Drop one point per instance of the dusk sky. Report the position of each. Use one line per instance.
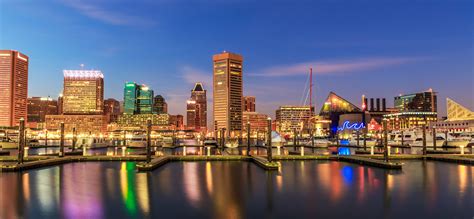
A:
(380, 48)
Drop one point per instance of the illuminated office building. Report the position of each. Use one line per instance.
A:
(13, 87)
(196, 109)
(160, 106)
(130, 98)
(227, 92)
(138, 99)
(249, 104)
(139, 121)
(258, 122)
(291, 118)
(83, 92)
(39, 107)
(414, 111)
(111, 109)
(145, 100)
(176, 122)
(418, 102)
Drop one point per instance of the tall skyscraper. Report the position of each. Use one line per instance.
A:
(418, 102)
(228, 92)
(82, 103)
(145, 100)
(130, 98)
(160, 106)
(138, 99)
(83, 92)
(249, 104)
(13, 87)
(197, 109)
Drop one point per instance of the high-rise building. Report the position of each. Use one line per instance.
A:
(83, 92)
(39, 107)
(227, 92)
(414, 110)
(249, 104)
(417, 102)
(138, 99)
(13, 87)
(197, 109)
(145, 100)
(291, 118)
(160, 106)
(60, 104)
(130, 94)
(112, 109)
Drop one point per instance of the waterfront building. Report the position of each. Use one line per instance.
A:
(460, 119)
(417, 102)
(227, 93)
(160, 106)
(111, 109)
(139, 121)
(138, 99)
(196, 109)
(258, 121)
(13, 87)
(414, 111)
(320, 126)
(334, 106)
(83, 92)
(84, 124)
(38, 108)
(291, 118)
(249, 104)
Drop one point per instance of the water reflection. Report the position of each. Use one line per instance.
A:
(302, 189)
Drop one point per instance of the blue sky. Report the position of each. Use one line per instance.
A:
(380, 48)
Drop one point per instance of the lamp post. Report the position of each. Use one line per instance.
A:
(46, 137)
(148, 140)
(385, 141)
(61, 140)
(21, 141)
(269, 140)
(424, 140)
(248, 138)
(74, 138)
(433, 132)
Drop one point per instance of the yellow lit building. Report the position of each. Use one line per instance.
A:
(291, 118)
(227, 93)
(83, 92)
(84, 124)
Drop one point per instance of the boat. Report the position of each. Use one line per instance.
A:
(465, 139)
(167, 142)
(137, 141)
(210, 142)
(232, 143)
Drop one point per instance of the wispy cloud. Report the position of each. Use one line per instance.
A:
(95, 11)
(333, 67)
(192, 75)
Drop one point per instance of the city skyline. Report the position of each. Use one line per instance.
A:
(373, 58)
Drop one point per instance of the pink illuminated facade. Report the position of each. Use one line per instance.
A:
(13, 87)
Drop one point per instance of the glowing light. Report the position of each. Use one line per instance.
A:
(347, 126)
(82, 74)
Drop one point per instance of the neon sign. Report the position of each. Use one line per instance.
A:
(347, 126)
